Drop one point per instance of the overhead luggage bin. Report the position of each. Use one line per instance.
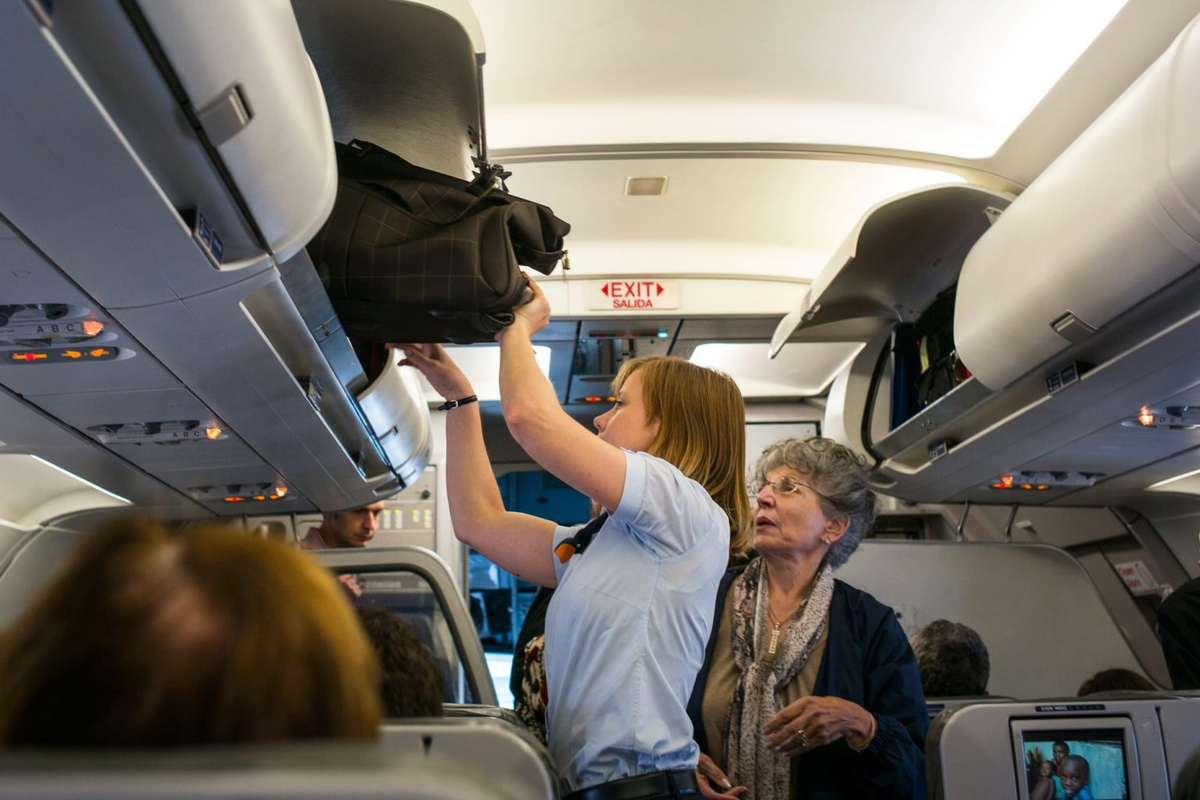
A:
(122, 125)
(223, 108)
(1056, 267)
(402, 74)
(900, 255)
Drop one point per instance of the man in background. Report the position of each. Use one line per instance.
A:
(354, 528)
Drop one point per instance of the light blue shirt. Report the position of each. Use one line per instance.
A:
(627, 627)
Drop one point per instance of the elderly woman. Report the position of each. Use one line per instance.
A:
(809, 687)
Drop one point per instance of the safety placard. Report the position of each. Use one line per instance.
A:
(633, 295)
(1137, 577)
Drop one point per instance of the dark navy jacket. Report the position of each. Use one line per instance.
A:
(867, 661)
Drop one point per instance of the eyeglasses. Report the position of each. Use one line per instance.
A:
(784, 485)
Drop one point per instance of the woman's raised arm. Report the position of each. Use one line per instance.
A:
(519, 543)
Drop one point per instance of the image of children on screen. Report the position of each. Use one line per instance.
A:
(1076, 765)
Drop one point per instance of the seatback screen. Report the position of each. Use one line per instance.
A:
(1076, 763)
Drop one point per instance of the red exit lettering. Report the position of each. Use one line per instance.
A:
(638, 289)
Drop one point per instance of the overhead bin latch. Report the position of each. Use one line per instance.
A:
(1071, 327)
(226, 116)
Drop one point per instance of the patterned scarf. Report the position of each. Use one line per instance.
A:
(758, 695)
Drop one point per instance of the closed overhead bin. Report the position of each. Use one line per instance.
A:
(1114, 220)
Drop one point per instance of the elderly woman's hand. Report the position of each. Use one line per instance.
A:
(709, 775)
(811, 722)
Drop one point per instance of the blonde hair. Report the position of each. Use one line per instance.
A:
(205, 636)
(702, 431)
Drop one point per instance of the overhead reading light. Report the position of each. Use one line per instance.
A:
(1173, 418)
(802, 369)
(239, 492)
(645, 187)
(1041, 481)
(172, 432)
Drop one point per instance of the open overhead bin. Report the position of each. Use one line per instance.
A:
(165, 163)
(899, 257)
(1077, 315)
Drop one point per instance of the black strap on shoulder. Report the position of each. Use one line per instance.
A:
(576, 544)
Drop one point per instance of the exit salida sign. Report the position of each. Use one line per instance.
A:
(639, 294)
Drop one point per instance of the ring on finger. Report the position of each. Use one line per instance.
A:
(803, 738)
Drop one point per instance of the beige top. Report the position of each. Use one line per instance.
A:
(724, 673)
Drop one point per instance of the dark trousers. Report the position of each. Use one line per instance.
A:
(679, 783)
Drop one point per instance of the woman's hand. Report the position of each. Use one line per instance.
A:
(709, 775)
(811, 722)
(442, 373)
(531, 317)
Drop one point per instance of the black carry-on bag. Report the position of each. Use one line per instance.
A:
(412, 255)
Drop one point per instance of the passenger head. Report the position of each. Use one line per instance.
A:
(1074, 774)
(205, 636)
(953, 660)
(411, 683)
(694, 418)
(1047, 770)
(1061, 751)
(1116, 680)
(354, 528)
(837, 479)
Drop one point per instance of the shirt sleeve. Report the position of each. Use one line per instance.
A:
(561, 533)
(665, 510)
(896, 755)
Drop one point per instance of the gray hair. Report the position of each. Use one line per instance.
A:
(952, 659)
(837, 473)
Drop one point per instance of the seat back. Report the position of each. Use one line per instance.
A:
(1135, 745)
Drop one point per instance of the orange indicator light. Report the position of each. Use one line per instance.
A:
(27, 356)
(1007, 480)
(259, 497)
(1146, 418)
(1001, 485)
(234, 499)
(612, 399)
(1026, 486)
(280, 491)
(272, 497)
(213, 433)
(99, 352)
(91, 328)
(1042, 487)
(593, 399)
(72, 354)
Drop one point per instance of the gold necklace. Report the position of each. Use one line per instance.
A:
(777, 623)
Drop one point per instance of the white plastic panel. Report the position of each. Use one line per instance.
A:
(282, 160)
(395, 407)
(962, 582)
(1113, 220)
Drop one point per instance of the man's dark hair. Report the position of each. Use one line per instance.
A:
(411, 682)
(953, 660)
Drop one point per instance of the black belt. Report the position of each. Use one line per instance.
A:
(675, 783)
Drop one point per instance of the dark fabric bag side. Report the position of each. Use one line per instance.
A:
(935, 327)
(411, 255)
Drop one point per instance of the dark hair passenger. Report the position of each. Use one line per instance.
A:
(411, 684)
(953, 660)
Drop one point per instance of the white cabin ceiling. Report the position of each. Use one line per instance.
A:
(939, 76)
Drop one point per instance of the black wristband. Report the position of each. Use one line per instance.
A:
(449, 404)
